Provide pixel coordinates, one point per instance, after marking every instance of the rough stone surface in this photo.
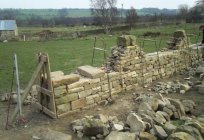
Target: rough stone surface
(160, 132)
(180, 136)
(135, 122)
(65, 80)
(178, 105)
(78, 104)
(117, 127)
(190, 130)
(169, 127)
(93, 127)
(121, 136)
(56, 74)
(90, 72)
(147, 136)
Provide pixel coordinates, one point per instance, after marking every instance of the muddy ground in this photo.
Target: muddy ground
(120, 108)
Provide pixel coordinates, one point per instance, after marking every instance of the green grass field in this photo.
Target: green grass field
(67, 55)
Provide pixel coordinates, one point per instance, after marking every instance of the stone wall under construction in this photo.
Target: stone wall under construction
(129, 67)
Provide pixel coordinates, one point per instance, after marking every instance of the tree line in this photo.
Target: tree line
(104, 13)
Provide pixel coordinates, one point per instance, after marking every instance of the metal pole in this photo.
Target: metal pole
(17, 84)
(92, 61)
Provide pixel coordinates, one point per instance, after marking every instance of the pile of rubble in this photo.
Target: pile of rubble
(172, 87)
(126, 55)
(178, 41)
(13, 97)
(156, 118)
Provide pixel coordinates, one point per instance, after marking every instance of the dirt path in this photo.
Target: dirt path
(120, 108)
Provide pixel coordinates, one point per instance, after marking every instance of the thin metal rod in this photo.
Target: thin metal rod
(26, 91)
(18, 84)
(92, 61)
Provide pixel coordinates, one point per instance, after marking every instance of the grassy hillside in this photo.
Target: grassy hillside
(67, 55)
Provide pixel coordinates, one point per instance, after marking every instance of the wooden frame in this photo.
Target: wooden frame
(46, 98)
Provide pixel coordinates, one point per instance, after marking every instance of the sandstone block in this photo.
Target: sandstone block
(63, 108)
(60, 91)
(78, 103)
(65, 80)
(75, 90)
(84, 93)
(90, 72)
(56, 74)
(72, 97)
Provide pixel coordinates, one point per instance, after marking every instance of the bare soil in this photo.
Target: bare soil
(120, 108)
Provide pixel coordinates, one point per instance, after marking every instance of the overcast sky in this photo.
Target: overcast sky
(171, 4)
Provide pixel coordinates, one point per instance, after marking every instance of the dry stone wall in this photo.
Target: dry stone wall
(129, 67)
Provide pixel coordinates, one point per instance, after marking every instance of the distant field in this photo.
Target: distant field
(67, 55)
(50, 13)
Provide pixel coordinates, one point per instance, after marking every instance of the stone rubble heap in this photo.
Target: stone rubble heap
(178, 41)
(157, 118)
(31, 98)
(172, 87)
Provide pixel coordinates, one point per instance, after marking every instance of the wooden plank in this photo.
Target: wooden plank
(50, 86)
(27, 90)
(46, 111)
(44, 91)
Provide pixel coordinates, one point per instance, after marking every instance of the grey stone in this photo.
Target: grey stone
(93, 127)
(169, 127)
(102, 117)
(117, 127)
(146, 136)
(178, 105)
(80, 134)
(168, 111)
(197, 125)
(201, 89)
(145, 106)
(165, 115)
(160, 118)
(160, 132)
(180, 136)
(190, 130)
(200, 70)
(189, 105)
(114, 135)
(135, 122)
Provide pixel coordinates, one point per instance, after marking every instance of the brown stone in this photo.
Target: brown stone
(84, 93)
(147, 136)
(65, 80)
(90, 72)
(79, 104)
(56, 74)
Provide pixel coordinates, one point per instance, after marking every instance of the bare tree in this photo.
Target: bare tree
(183, 11)
(131, 17)
(200, 2)
(105, 13)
